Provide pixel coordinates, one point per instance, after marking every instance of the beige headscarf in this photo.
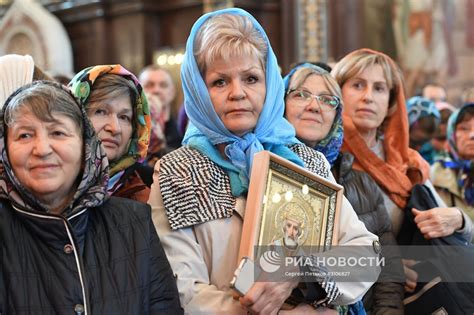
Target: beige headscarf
(15, 71)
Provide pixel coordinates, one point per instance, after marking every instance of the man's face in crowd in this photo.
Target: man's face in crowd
(435, 93)
(159, 82)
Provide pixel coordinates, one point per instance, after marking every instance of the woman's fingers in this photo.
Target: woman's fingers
(410, 274)
(266, 297)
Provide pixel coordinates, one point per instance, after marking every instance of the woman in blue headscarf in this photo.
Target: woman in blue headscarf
(453, 176)
(423, 119)
(234, 97)
(313, 106)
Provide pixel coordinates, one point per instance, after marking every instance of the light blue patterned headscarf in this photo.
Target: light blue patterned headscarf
(419, 107)
(451, 129)
(272, 132)
(454, 161)
(331, 144)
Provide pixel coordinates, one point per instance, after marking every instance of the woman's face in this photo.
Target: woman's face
(464, 136)
(112, 121)
(419, 136)
(365, 97)
(237, 90)
(312, 122)
(46, 157)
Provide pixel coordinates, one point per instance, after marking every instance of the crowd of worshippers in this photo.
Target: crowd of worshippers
(109, 205)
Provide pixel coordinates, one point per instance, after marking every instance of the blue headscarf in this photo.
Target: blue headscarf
(331, 144)
(419, 107)
(272, 132)
(454, 161)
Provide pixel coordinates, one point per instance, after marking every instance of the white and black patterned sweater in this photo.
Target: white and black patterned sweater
(196, 190)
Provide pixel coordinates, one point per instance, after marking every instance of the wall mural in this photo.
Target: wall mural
(435, 43)
(432, 40)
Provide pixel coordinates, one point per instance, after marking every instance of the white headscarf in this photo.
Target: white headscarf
(15, 71)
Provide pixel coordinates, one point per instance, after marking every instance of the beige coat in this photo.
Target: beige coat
(204, 256)
(445, 182)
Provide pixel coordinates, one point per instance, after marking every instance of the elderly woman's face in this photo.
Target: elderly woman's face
(366, 98)
(112, 121)
(312, 120)
(46, 157)
(464, 137)
(237, 90)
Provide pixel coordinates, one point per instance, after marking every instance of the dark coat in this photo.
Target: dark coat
(107, 259)
(366, 198)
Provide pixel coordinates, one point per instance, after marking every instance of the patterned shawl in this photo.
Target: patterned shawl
(272, 132)
(81, 86)
(92, 189)
(331, 144)
(403, 167)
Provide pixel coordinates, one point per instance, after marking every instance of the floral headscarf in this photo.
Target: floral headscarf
(92, 189)
(272, 132)
(81, 86)
(331, 144)
(465, 167)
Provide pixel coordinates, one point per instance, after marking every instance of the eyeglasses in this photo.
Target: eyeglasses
(326, 102)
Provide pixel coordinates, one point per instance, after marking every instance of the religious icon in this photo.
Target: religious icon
(289, 209)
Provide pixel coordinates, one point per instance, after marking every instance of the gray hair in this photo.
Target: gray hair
(43, 98)
(300, 76)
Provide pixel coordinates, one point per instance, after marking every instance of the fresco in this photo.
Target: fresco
(435, 43)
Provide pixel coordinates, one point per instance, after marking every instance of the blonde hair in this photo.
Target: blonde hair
(228, 36)
(300, 76)
(356, 62)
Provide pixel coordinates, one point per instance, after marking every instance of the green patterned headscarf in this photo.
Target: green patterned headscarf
(81, 86)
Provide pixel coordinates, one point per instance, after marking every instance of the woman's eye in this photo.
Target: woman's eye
(99, 111)
(218, 83)
(24, 136)
(58, 133)
(380, 88)
(125, 118)
(252, 79)
(306, 95)
(298, 95)
(357, 85)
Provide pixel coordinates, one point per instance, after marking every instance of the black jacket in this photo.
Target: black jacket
(366, 198)
(106, 260)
